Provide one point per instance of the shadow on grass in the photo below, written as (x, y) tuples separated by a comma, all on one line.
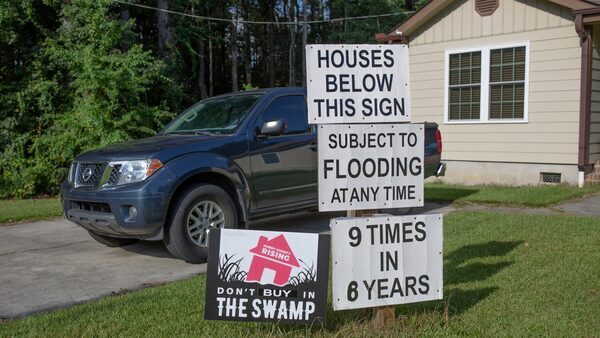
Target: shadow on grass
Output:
[(457, 272), (437, 193), (456, 300), (459, 300)]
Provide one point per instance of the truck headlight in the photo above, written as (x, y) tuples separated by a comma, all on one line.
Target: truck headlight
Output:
[(136, 171)]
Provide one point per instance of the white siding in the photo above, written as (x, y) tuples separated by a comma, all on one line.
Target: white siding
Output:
[(551, 135)]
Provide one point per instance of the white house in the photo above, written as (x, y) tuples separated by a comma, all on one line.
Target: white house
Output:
[(513, 84)]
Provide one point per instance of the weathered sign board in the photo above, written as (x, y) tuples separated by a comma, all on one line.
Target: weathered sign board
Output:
[(370, 166), (357, 83), (267, 276), (386, 260)]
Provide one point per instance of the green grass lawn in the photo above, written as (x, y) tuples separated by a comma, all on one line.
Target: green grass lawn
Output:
[(504, 274), (528, 196), (30, 209)]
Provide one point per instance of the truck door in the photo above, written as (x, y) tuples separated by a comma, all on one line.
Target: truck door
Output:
[(284, 164)]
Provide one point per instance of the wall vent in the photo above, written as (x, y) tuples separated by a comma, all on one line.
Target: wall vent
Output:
[(554, 178), (486, 7)]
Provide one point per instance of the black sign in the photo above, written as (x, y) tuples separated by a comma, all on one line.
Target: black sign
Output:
[(267, 276)]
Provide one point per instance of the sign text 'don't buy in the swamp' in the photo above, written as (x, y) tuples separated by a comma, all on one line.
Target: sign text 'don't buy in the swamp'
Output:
[(267, 276)]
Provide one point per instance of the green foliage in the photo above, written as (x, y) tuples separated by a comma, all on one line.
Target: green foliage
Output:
[(248, 86), (92, 88)]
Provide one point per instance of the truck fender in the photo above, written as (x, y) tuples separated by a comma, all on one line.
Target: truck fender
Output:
[(186, 167)]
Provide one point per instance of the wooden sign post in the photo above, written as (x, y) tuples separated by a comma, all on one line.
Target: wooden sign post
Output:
[(381, 314)]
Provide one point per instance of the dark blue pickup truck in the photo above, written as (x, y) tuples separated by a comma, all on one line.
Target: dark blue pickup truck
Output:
[(219, 164)]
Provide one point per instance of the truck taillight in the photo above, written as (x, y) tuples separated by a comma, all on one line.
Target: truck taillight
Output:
[(438, 136)]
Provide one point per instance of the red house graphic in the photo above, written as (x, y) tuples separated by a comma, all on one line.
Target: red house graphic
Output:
[(274, 254)]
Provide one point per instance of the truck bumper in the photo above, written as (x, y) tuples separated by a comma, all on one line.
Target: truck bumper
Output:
[(132, 211)]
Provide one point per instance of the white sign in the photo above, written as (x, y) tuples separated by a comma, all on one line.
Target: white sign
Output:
[(386, 260), (357, 83), (366, 166)]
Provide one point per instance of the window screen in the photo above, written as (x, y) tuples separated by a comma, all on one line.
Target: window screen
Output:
[(507, 83), (465, 86)]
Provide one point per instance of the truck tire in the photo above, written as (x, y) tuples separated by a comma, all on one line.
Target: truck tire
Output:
[(196, 211), (112, 241)]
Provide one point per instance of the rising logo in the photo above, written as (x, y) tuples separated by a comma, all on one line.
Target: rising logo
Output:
[(274, 254)]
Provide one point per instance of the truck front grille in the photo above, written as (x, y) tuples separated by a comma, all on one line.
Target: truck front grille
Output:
[(88, 174), (96, 175), (114, 174)]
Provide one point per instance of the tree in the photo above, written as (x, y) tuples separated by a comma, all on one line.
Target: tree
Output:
[(98, 81)]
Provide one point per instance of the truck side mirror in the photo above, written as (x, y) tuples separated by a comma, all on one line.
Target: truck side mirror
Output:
[(272, 128)]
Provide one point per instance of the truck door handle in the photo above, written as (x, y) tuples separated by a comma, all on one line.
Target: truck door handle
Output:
[(313, 147)]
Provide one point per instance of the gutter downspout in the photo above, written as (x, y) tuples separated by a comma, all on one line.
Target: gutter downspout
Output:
[(585, 35)]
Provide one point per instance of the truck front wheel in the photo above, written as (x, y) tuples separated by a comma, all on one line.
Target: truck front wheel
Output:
[(198, 210)]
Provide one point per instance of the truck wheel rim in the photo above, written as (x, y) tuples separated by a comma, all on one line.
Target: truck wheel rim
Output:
[(203, 217)]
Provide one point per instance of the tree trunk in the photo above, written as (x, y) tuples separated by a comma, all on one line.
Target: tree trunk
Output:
[(210, 68), (345, 23), (270, 47), (201, 63), (248, 55), (234, 55), (304, 39), (164, 32), (247, 47), (291, 51), (125, 15), (202, 69)]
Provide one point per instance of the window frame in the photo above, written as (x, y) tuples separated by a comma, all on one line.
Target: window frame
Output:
[(484, 99)]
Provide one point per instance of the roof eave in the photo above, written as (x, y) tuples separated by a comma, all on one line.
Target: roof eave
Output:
[(434, 7), (413, 22)]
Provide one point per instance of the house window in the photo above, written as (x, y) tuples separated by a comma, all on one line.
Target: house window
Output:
[(465, 86), (487, 84), (507, 83)]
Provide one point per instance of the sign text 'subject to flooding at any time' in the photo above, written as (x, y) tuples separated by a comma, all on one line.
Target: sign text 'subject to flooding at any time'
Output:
[(357, 83), (366, 166), (386, 260)]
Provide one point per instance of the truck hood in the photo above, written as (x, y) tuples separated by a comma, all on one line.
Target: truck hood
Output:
[(162, 147)]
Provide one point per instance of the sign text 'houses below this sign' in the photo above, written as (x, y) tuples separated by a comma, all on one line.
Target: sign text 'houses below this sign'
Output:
[(267, 276), (357, 84)]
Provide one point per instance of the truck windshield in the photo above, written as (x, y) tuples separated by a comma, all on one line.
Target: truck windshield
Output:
[(220, 115)]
